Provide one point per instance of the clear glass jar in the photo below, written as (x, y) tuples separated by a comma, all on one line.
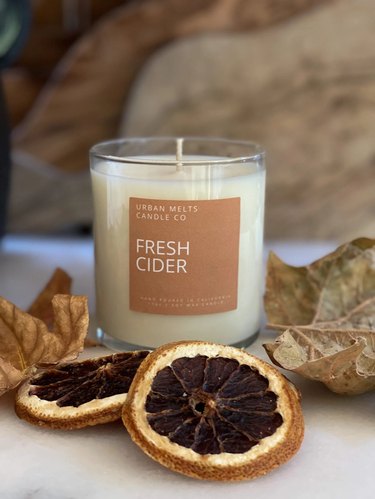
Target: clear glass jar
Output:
[(178, 227)]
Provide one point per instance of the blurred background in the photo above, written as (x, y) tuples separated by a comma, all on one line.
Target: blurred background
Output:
[(297, 76)]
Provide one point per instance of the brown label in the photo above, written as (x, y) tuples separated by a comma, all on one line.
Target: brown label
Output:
[(184, 256)]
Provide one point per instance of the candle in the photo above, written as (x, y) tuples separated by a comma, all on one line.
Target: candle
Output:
[(178, 240)]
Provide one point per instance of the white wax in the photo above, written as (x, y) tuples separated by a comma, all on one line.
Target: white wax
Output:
[(113, 183)]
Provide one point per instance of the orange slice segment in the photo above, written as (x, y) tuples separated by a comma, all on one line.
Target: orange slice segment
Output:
[(78, 394), (213, 412)]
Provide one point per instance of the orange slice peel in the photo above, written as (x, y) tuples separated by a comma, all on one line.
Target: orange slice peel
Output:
[(79, 394), (213, 412)]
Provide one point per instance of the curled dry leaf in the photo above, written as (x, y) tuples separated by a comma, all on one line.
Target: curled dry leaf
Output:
[(26, 342), (344, 360), (60, 283), (327, 313)]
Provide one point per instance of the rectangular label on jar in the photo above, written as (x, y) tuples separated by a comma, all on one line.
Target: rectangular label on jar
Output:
[(183, 255)]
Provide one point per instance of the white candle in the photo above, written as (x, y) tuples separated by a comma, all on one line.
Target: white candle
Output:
[(157, 218)]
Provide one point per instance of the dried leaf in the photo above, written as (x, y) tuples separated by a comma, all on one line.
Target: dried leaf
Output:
[(26, 342), (10, 377), (327, 313), (337, 289), (60, 283), (343, 360)]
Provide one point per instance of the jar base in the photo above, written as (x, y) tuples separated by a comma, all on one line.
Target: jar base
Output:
[(121, 345)]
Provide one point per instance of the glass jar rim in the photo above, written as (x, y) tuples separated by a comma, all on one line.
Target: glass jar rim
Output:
[(257, 154)]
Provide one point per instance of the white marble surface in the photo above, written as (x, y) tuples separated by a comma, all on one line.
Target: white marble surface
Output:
[(336, 459)]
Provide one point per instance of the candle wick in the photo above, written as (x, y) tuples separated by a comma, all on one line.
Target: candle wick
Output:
[(179, 146)]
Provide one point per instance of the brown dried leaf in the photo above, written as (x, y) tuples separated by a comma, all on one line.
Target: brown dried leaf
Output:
[(60, 283), (338, 289), (26, 342), (327, 310), (10, 377), (343, 360)]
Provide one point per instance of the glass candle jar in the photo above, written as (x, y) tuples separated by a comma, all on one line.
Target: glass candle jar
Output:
[(178, 227)]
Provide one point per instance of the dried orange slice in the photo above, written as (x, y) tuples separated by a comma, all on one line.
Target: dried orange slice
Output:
[(78, 394), (213, 412)]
